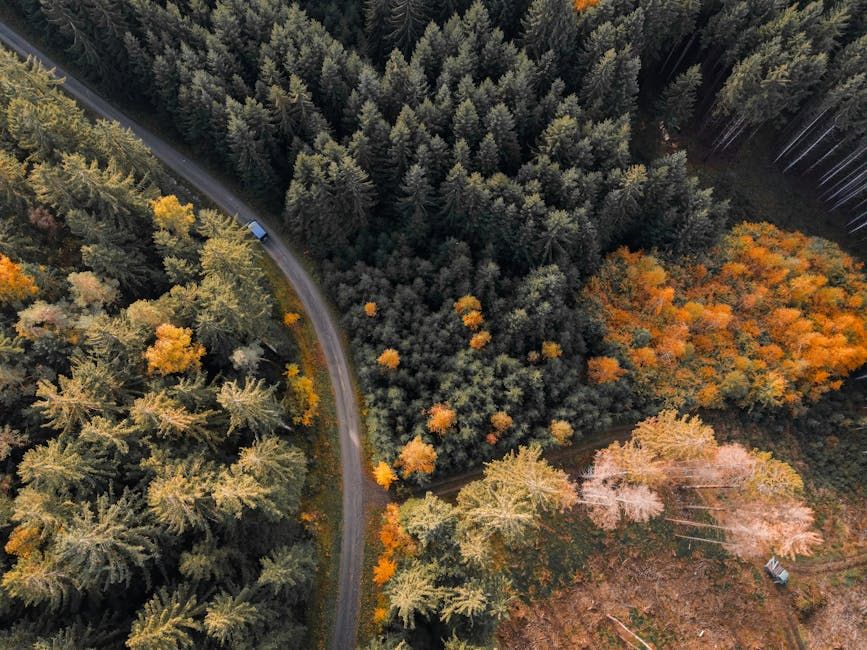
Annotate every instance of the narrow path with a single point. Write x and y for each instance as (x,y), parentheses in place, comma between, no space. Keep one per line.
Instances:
(559,457)
(348,419)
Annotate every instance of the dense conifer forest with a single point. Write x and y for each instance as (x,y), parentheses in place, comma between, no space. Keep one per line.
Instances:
(512,268)
(482,149)
(151,486)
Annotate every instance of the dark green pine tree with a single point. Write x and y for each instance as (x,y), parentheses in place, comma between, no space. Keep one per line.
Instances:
(675,105)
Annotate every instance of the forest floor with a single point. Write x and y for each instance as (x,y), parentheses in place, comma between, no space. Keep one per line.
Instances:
(679,594)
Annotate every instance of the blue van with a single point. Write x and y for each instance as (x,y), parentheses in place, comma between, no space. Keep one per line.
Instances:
(258,231)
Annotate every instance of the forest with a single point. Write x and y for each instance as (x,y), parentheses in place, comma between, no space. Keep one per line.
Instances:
(485,149)
(151,484)
(515,268)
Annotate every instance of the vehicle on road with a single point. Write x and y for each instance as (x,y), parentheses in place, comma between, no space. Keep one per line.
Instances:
(258,231)
(778,574)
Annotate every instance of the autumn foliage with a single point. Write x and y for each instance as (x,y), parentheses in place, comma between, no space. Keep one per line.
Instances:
(370,309)
(417,456)
(480,340)
(291,318)
(384,475)
(756,496)
(15,284)
(394,540)
(171,215)
(390,358)
(604,370)
(473,319)
(551,350)
(302,396)
(561,431)
(441,418)
(467,304)
(581,5)
(777,318)
(173,351)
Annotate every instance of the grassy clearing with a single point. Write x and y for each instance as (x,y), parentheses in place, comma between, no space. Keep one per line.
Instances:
(322,504)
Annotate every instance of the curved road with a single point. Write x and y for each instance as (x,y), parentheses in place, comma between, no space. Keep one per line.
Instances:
(352,540)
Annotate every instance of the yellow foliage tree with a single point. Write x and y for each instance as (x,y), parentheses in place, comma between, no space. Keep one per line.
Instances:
(390,358)
(173,351)
(171,215)
(384,475)
(291,318)
(551,350)
(441,418)
(776,319)
(417,456)
(604,370)
(302,396)
(370,309)
(480,340)
(23,541)
(15,284)
(561,431)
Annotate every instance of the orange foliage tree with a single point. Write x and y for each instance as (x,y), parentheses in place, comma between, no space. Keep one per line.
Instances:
(604,370)
(473,319)
(394,540)
(417,456)
(370,309)
(466,304)
(15,284)
(390,358)
(581,5)
(173,351)
(291,318)
(480,340)
(441,418)
(775,318)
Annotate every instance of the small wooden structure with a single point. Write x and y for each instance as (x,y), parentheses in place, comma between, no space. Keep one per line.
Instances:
(778,574)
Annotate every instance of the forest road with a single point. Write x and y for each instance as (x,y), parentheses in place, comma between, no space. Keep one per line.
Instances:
(348,418)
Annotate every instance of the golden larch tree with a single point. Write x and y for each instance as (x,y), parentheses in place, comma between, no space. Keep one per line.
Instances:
(466,304)
(561,431)
(170,214)
(441,418)
(774,318)
(551,350)
(604,370)
(384,475)
(15,284)
(173,351)
(480,339)
(390,358)
(417,456)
